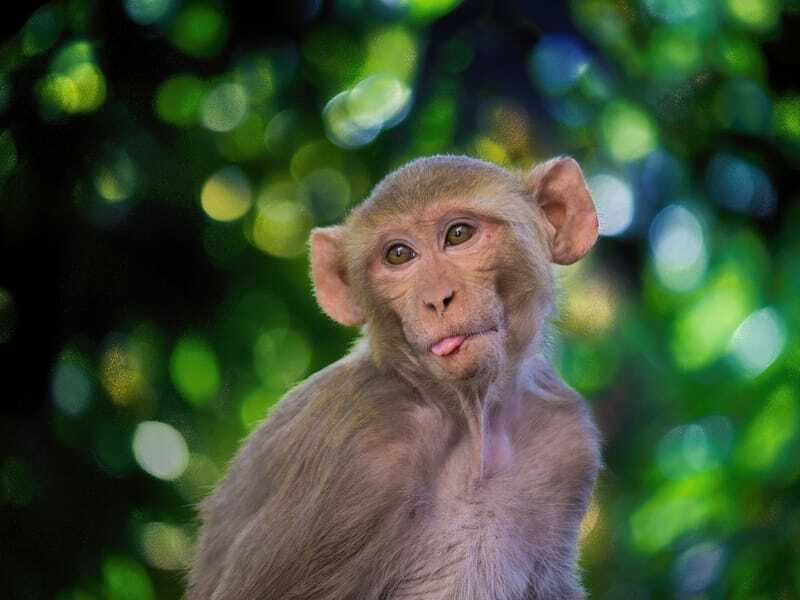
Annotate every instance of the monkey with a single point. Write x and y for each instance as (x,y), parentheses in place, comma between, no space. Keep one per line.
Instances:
(442,458)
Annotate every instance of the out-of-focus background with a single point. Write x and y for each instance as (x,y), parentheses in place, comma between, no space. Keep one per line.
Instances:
(162,162)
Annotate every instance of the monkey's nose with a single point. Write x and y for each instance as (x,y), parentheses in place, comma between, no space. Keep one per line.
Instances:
(440,304)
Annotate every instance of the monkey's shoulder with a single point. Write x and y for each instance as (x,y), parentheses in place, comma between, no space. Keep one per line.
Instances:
(350,413)
(290,436)
(558,435)
(549,396)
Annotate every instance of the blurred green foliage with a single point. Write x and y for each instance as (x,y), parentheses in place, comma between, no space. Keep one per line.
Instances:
(162,163)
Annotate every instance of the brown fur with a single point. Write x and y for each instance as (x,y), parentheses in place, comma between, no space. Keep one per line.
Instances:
(395,473)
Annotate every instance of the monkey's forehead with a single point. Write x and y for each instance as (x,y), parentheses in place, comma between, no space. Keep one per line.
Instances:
(425,182)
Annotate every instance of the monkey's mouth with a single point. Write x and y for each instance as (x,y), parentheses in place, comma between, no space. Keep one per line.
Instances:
(450,344)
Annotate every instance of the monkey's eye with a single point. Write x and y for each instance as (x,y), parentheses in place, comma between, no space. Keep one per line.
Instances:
(399,254)
(458,234)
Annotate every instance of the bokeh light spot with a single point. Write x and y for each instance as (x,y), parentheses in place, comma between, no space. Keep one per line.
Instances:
(74,53)
(699,446)
(245,142)
(378,101)
(590,520)
(557,62)
(742,105)
(758,341)
(679,250)
(281,358)
(160,450)
(430,10)
(200,29)
(71,385)
(42,30)
(281,225)
(675,53)
(166,546)
(677,508)
(256,74)
(122,374)
(226,195)
(771,430)
(740,56)
(59,92)
(703,331)
(675,11)
(116,177)
(697,567)
(224,107)
(614,201)
(355,117)
(488,149)
(341,128)
(179,99)
(740,186)
(194,370)
(508,124)
(313,156)
(758,15)
(628,132)
(391,52)
(148,12)
(786,117)
(126,579)
(587,366)
(589,306)
(74,84)
(277,133)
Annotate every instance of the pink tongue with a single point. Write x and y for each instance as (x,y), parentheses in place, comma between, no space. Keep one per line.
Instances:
(447,345)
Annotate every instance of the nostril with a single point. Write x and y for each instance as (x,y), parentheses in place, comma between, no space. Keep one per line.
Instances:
(441,305)
(448,299)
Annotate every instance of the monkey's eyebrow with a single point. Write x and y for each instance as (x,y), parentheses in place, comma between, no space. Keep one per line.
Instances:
(405,227)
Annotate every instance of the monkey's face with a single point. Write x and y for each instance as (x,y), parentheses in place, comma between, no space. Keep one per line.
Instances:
(435,278)
(447,262)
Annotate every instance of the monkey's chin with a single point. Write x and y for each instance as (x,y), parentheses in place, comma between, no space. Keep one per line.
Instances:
(477,356)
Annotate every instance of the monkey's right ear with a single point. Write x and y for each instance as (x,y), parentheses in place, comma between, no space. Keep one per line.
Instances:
(329,273)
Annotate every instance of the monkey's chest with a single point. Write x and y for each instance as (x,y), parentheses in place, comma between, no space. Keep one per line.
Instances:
(476,538)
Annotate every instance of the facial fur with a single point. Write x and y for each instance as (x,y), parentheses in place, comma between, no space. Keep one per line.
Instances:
(491,289)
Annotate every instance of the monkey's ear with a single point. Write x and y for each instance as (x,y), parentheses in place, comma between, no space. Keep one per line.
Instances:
(329,273)
(560,191)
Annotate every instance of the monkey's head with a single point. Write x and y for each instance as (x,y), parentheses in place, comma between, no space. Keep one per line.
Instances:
(447,262)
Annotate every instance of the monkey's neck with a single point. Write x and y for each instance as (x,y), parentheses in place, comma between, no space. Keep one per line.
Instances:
(481,412)
(487,414)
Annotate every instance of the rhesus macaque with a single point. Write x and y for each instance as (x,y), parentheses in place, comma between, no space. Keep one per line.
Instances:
(442,458)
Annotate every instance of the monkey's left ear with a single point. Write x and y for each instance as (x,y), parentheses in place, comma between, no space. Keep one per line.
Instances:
(560,190)
(329,272)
